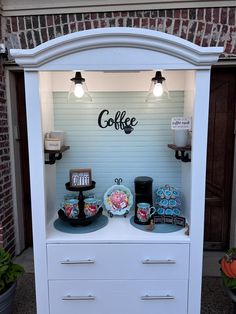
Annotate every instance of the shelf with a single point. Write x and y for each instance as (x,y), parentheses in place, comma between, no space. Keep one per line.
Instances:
(55,155)
(181,153)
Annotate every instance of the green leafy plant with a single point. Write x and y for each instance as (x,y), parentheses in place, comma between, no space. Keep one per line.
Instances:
(9,271)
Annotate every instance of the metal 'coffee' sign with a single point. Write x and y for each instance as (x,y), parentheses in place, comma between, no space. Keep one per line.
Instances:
(180,123)
(120,121)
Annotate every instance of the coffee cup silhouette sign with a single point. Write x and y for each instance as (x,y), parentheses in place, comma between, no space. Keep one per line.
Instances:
(120,121)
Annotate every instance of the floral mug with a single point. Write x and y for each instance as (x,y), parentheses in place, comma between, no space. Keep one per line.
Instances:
(145,212)
(71,208)
(91,206)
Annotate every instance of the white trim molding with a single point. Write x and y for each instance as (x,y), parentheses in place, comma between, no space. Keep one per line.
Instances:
(29,7)
(116,44)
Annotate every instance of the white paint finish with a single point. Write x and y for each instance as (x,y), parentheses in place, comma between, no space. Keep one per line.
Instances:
(111,153)
(199,150)
(189,99)
(29,7)
(118,81)
(118,230)
(118,296)
(118,261)
(37,183)
(96,49)
(46,99)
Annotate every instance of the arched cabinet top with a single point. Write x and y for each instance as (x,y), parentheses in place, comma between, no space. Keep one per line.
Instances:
(117,48)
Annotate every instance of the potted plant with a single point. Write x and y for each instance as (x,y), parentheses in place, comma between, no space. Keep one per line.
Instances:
(228,273)
(9,272)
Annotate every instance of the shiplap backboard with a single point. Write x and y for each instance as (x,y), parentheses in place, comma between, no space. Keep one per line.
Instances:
(111,153)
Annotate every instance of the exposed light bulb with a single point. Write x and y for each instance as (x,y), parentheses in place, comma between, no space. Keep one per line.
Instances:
(158,89)
(78,90)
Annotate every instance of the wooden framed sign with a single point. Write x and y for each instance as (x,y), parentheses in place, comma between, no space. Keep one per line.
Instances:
(80,177)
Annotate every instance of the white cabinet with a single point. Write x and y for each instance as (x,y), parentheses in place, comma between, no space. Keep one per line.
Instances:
(118,269)
(118,278)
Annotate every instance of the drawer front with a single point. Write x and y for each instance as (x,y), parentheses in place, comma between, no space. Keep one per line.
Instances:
(118,296)
(118,261)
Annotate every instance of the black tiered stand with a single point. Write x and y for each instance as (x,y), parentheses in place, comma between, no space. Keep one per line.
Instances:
(80,196)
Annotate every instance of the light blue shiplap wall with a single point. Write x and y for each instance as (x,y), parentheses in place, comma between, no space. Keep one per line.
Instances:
(111,153)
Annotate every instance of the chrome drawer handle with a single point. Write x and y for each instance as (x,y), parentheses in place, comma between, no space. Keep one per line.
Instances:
(157,297)
(159,261)
(78,297)
(80,261)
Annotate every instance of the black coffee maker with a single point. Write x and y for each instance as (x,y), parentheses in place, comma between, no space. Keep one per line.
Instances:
(143,193)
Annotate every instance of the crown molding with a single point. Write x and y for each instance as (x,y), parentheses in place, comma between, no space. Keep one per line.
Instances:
(91,49)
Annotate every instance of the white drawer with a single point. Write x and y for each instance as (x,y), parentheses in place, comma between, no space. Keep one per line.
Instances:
(118,261)
(118,296)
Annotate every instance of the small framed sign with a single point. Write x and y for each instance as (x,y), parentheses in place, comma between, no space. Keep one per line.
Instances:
(80,177)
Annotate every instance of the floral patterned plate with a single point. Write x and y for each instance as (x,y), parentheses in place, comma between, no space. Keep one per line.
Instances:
(118,200)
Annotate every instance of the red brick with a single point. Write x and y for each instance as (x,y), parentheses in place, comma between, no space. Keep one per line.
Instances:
(14,24)
(192,30)
(144,23)
(184,13)
(169,13)
(23,40)
(215,35)
(232,14)
(104,23)
(136,22)
(216,15)
(177,13)
(44,35)
(120,22)
(116,14)
(87,25)
(224,15)
(192,14)
(184,29)
(71,17)
(72,27)
(200,14)
(21,23)
(160,24)
(207,35)
(65,29)
(152,23)
(49,20)
(96,24)
(208,15)
(93,16)
(223,35)
(168,28)
(80,26)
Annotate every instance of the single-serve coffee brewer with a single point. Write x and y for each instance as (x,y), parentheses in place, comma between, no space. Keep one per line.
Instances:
(143,194)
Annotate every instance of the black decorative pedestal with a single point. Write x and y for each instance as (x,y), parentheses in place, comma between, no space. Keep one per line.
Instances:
(82,219)
(80,196)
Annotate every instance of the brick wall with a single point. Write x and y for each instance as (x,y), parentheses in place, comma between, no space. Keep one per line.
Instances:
(7,238)
(205,27)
